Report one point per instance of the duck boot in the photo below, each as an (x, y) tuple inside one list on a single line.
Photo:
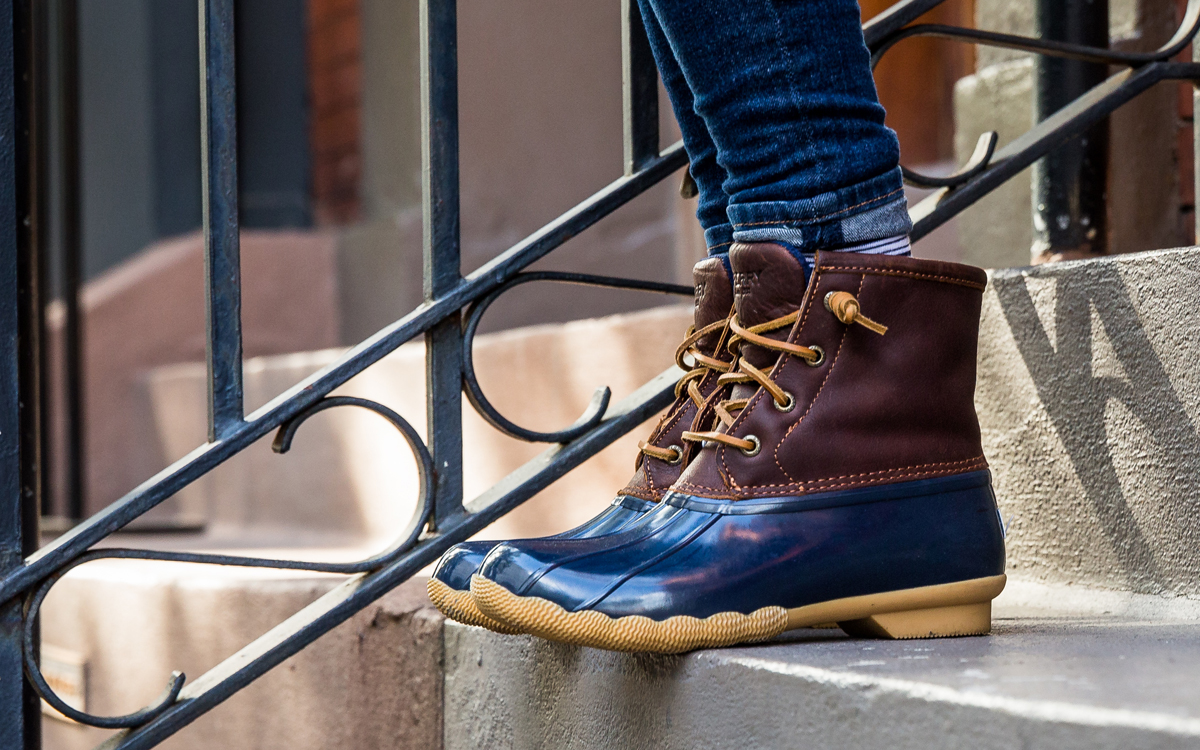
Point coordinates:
[(842, 479), (660, 459)]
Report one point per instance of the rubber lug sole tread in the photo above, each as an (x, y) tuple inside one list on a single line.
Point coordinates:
[(955, 609)]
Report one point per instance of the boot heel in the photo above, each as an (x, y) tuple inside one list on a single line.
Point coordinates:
[(938, 622)]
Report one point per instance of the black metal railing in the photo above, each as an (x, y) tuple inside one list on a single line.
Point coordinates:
[(447, 318)]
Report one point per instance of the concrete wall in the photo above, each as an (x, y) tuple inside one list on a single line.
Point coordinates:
[(1089, 400)]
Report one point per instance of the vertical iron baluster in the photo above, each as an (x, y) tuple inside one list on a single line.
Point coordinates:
[(1070, 183), (441, 251), (639, 78), (71, 254), (20, 715), (218, 134)]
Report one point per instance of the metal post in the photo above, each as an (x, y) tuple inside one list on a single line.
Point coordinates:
[(441, 251), (70, 243), (1070, 184), (639, 78), (223, 276), (20, 714)]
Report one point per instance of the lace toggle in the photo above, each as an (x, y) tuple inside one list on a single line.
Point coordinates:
[(847, 309)]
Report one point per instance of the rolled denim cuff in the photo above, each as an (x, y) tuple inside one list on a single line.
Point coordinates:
[(719, 238), (871, 210)]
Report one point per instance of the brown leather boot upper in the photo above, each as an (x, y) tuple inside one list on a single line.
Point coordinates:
[(714, 304), (875, 408)]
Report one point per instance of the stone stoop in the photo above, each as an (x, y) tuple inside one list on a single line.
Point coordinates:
[(1045, 679), (1089, 399)]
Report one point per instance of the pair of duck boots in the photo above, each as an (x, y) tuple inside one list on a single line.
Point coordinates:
[(822, 463)]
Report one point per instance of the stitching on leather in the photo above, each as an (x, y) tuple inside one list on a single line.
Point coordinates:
[(823, 216), (978, 462), (911, 275), (811, 404)]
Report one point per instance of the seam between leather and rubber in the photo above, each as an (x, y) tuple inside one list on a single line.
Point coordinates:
[(969, 464), (813, 501), (624, 577)]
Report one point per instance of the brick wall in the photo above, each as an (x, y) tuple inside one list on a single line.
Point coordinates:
[(335, 91)]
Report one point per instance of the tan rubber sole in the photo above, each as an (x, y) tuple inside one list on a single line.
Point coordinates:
[(460, 607), (946, 610)]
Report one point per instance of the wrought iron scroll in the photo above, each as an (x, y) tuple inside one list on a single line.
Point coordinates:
[(1101, 101), (599, 404), (281, 444)]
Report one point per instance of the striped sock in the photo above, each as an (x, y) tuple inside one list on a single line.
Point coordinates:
[(897, 245)]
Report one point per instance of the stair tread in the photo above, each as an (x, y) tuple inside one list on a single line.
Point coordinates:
[(1098, 669)]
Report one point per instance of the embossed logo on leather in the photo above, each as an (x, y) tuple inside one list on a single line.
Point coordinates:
[(744, 282)]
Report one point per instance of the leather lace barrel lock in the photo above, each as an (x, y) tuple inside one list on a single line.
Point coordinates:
[(846, 308)]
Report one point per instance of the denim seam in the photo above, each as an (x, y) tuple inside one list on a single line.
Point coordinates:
[(817, 219), (789, 69)]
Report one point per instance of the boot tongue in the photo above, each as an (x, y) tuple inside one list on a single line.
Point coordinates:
[(768, 283), (714, 297)]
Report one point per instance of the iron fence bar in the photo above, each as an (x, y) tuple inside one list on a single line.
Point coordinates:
[(304, 394), (880, 28), (1067, 123), (20, 716), (441, 249), (70, 246), (222, 266), (1070, 182), (35, 276), (639, 88), (341, 603)]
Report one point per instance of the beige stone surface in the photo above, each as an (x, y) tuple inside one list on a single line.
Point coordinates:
[(373, 683), (349, 474), (1089, 401), (149, 312)]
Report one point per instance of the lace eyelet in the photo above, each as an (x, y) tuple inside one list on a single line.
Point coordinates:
[(786, 406), (820, 360), (678, 456), (752, 451)]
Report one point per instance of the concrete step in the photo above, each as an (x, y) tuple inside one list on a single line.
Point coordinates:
[(1047, 678)]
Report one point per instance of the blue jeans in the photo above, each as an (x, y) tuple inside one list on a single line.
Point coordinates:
[(780, 119)]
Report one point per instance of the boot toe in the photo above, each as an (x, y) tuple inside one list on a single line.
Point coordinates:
[(460, 562)]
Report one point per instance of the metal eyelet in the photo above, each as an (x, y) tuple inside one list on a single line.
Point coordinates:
[(785, 407), (757, 446), (820, 360), (678, 456)]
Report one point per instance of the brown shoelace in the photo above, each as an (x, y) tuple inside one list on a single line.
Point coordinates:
[(842, 304), (701, 365)]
